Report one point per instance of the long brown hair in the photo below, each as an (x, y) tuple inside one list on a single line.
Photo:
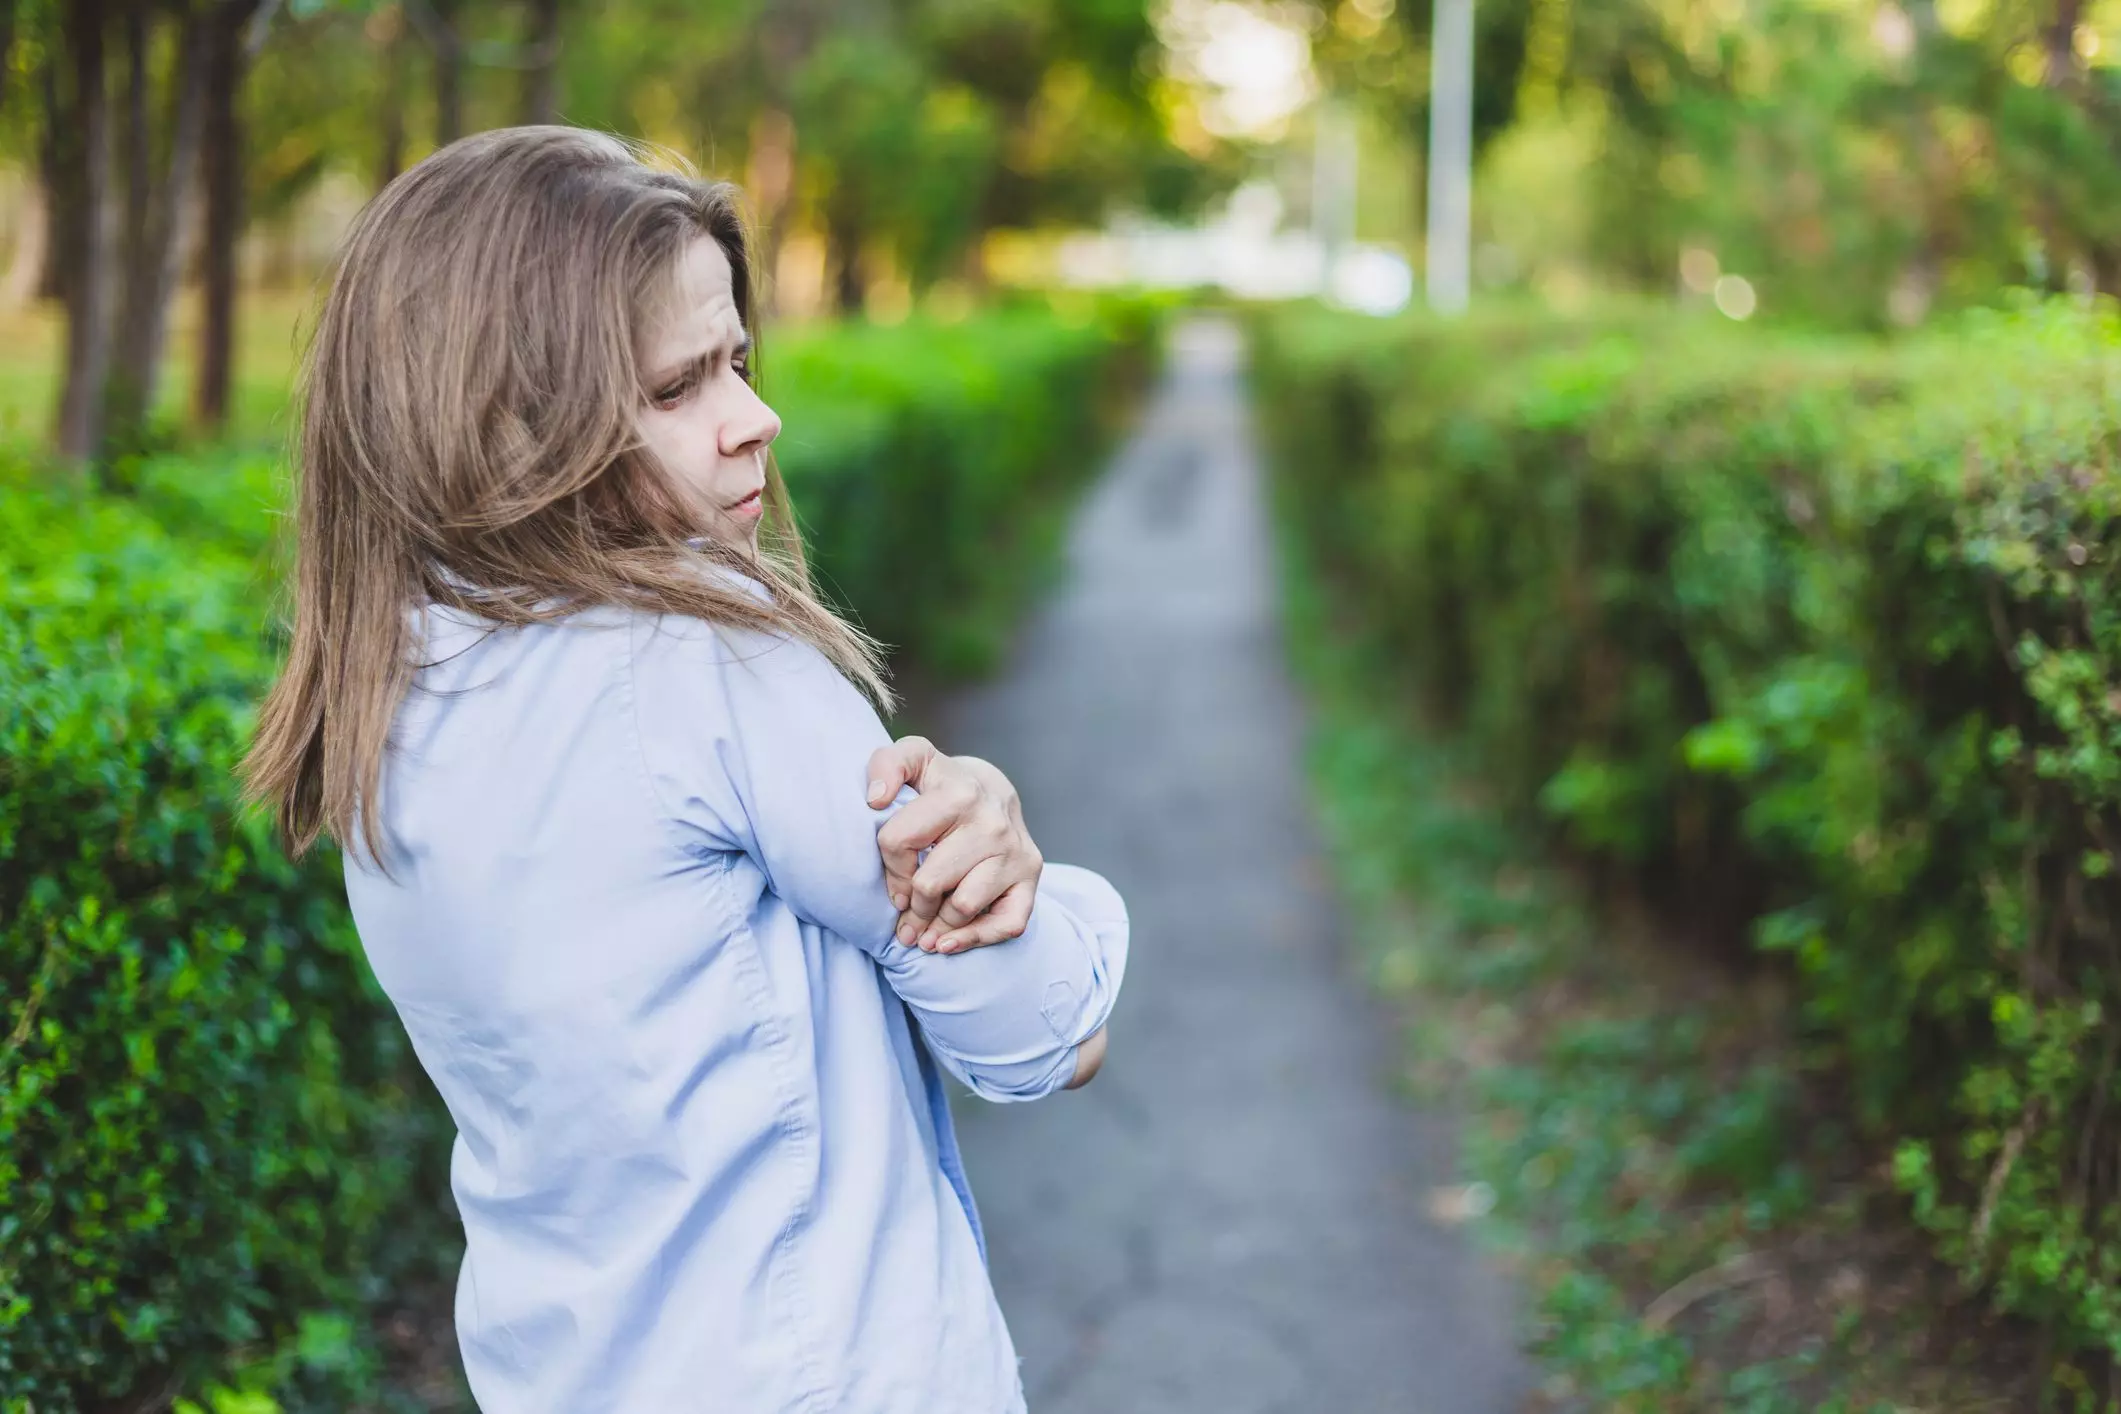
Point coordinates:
[(467, 418)]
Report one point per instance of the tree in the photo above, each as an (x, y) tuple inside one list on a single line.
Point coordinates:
[(388, 31), (1854, 161), (901, 130), (541, 63), (117, 292), (235, 32), (437, 21), (896, 163), (157, 187), (85, 111)]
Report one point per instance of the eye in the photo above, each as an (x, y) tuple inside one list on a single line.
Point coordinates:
[(670, 397)]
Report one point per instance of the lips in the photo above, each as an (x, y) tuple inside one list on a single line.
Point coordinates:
[(752, 505)]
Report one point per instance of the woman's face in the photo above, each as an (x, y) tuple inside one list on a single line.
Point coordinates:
[(698, 412)]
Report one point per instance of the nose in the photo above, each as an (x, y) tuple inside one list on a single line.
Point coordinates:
[(750, 427)]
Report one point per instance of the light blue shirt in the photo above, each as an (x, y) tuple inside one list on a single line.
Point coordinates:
[(640, 939)]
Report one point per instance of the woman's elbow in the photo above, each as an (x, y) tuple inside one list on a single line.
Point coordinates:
[(1088, 1057), (1032, 1078)]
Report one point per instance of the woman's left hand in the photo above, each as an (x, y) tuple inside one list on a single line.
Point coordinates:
[(981, 874)]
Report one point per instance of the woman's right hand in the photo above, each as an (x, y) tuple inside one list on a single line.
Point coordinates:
[(980, 878)]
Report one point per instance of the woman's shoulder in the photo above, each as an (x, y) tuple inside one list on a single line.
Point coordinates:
[(723, 642), (768, 682), (685, 657), (430, 617), (678, 660)]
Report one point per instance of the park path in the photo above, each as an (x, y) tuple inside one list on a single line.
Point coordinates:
[(1232, 1219)]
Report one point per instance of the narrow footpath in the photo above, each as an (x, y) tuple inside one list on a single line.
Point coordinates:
[(1232, 1219)]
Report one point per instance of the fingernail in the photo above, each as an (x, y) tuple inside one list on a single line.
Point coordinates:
[(876, 792), (905, 932), (898, 901)]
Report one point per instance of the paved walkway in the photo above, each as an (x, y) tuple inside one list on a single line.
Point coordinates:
[(1231, 1219)]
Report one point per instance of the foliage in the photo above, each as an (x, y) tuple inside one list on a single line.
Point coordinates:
[(216, 1149), (1644, 1149), (1857, 164), (922, 125), (895, 157), (946, 437), (1816, 636), (208, 1120)]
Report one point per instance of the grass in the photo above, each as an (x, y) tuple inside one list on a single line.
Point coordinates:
[(1647, 1143)]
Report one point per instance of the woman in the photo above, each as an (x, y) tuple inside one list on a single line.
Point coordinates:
[(598, 755)]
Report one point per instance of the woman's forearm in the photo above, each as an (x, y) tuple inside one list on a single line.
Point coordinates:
[(1019, 1020)]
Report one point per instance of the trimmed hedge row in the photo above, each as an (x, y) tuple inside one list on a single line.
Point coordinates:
[(923, 457), (1819, 638), (215, 1146)]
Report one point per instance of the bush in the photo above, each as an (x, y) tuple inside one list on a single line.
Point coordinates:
[(1818, 638), (930, 461), (209, 1121), (213, 1136)]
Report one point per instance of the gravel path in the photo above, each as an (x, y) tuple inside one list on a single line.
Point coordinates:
[(1232, 1219)]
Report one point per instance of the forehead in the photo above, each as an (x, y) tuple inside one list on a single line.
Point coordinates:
[(699, 308)]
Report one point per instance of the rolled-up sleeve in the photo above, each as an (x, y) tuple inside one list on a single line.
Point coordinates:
[(755, 743), (1007, 1020)]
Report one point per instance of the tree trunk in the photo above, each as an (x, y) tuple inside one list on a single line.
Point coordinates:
[(843, 260), (139, 145), (151, 273), (89, 295), (57, 145), (7, 44), (227, 57), (770, 183), (787, 33), (390, 159), (541, 81), (121, 398), (449, 75), (2061, 44)]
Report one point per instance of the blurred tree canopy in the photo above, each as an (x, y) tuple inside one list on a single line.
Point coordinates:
[(1860, 161), (899, 132)]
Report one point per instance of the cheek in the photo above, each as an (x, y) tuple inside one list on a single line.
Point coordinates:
[(684, 443)]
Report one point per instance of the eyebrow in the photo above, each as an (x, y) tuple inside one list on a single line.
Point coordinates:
[(739, 350)]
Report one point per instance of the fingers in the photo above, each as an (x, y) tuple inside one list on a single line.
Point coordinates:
[(947, 864), (926, 818), (985, 882), (981, 869), (924, 821), (893, 766), (1007, 919)]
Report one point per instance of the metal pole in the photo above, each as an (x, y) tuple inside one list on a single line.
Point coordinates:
[(1450, 155)]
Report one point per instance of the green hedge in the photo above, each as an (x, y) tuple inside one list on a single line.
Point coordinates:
[(208, 1119), (927, 461), (216, 1149), (1818, 638)]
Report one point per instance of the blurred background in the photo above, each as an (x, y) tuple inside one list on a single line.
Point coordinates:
[(1685, 436)]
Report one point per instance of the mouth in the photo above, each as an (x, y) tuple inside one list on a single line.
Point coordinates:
[(750, 507)]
